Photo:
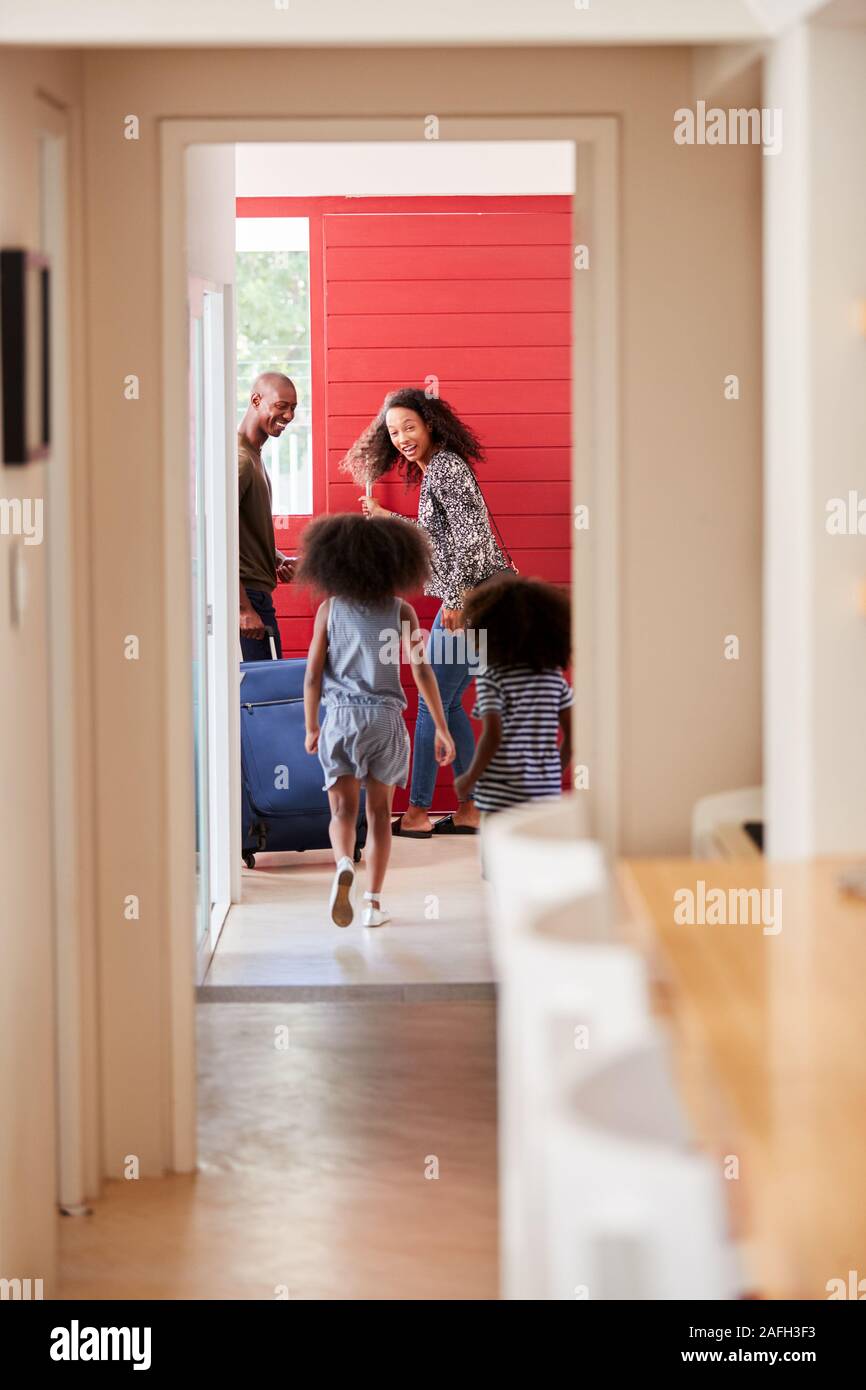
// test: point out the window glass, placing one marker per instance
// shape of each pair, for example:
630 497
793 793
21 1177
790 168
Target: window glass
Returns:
272 289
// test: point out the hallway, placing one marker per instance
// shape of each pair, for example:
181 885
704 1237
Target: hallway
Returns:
307 1180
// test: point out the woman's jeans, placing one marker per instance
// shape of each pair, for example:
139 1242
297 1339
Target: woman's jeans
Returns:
447 653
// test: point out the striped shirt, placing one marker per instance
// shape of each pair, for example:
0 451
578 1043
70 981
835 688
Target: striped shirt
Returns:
526 765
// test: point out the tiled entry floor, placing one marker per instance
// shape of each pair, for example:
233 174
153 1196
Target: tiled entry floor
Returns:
279 943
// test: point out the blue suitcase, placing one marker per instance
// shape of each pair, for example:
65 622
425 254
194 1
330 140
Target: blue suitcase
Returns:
283 806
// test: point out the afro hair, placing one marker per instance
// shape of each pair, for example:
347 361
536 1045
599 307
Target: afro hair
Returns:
365 560
526 621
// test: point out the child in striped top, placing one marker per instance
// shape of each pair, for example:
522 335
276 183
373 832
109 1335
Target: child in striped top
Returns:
522 697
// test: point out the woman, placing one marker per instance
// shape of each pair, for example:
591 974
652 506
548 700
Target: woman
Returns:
433 448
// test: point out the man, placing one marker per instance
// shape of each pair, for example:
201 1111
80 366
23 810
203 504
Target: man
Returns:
273 402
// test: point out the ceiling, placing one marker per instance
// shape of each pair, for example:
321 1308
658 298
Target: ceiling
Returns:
401 23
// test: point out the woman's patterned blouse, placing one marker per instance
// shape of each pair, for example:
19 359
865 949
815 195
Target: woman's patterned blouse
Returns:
451 510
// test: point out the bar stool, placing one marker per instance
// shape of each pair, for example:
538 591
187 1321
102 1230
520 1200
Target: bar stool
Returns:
570 996
568 1003
538 855
634 1211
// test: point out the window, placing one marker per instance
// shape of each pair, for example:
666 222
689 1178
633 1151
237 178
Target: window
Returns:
272 289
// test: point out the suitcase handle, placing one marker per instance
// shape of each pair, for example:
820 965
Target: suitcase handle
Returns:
270 632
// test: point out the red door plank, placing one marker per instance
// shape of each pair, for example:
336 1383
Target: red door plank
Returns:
528 496
413 295
287 539
448 262
448 229
364 399
542 464
535 530
296 633
374 329
290 650
552 565
503 430
402 365
515 499
292 601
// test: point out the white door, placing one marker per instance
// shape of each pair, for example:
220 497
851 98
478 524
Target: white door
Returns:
220 651
212 488
200 613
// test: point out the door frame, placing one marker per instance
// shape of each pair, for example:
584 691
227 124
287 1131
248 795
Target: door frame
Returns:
219 464
595 477
76 997
222 681
220 676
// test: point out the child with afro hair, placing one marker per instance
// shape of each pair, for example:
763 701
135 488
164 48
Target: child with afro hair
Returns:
353 667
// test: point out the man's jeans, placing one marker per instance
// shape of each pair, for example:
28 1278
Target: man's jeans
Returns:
259 649
452 676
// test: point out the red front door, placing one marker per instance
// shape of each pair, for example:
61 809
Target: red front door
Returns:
474 295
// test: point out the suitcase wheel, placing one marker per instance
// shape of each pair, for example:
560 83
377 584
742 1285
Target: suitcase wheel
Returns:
250 861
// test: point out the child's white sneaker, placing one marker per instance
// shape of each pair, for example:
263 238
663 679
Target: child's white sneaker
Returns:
374 914
342 906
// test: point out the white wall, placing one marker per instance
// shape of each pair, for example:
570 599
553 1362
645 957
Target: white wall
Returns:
815 283
210 194
395 170
272 234
28 1064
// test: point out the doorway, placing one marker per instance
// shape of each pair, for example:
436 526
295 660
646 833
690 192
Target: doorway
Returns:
594 471
352 296
467 296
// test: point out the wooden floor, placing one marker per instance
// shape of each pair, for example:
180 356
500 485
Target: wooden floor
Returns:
280 943
312 1164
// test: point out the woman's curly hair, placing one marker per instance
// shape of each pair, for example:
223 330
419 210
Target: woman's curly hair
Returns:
364 560
373 454
526 621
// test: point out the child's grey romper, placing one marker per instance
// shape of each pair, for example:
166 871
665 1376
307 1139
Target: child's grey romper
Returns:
363 730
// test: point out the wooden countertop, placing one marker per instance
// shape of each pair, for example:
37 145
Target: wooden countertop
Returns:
775 1021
